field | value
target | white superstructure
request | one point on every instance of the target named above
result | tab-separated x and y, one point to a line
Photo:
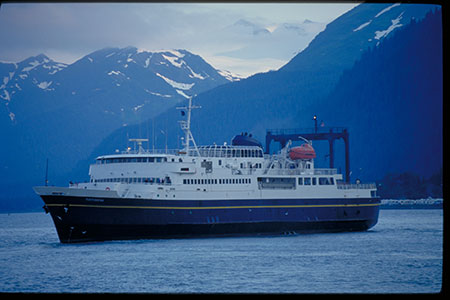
213	172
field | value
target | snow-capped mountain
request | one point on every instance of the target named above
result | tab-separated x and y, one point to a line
256	40
131	79
33	74
61	112
345	39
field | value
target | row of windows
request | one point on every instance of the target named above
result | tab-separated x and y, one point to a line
131	160
218	181
149	180
313	181
152	180
152	160
229	152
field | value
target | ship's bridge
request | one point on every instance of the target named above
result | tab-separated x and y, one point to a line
228	151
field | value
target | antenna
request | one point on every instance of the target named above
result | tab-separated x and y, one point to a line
46	173
186	127
148	138
153	135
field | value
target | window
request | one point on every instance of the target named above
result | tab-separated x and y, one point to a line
300	181
326	181
323	181
307	181
314	180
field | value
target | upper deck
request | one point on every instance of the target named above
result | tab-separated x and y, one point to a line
141	155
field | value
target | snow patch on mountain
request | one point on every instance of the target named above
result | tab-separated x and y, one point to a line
115	73
5	95
174	61
44	85
386	9
177	85
362	26
395	24
158	94
230	76
183	94
33	65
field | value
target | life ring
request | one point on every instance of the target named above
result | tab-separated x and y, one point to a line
107	188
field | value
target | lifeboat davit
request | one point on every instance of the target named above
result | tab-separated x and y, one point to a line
304	151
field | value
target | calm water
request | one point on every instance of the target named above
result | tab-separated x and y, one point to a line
401	254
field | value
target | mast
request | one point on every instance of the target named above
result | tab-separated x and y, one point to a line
46	173
186	127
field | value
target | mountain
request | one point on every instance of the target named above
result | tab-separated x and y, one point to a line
392	102
107	74
346	38
315	82
25	81
61	112
260	41
307	85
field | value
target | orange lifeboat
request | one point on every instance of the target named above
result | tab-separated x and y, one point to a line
304	151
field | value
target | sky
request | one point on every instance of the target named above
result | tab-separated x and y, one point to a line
222	33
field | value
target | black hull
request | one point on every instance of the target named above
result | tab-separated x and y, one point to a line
79	219
98	232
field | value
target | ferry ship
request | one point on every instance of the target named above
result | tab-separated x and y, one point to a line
205	191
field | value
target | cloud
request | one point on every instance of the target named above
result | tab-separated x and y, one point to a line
244	67
81	28
31	28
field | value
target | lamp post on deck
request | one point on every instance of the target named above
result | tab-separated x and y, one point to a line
315	123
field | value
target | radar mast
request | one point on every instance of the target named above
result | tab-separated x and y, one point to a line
186	127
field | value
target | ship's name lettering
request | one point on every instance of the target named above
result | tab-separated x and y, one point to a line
95	200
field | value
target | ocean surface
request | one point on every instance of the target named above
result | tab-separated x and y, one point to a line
403	253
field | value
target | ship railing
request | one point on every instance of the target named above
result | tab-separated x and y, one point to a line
285	171
301	171
152	151
348	186
320	129
325	171
206	151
